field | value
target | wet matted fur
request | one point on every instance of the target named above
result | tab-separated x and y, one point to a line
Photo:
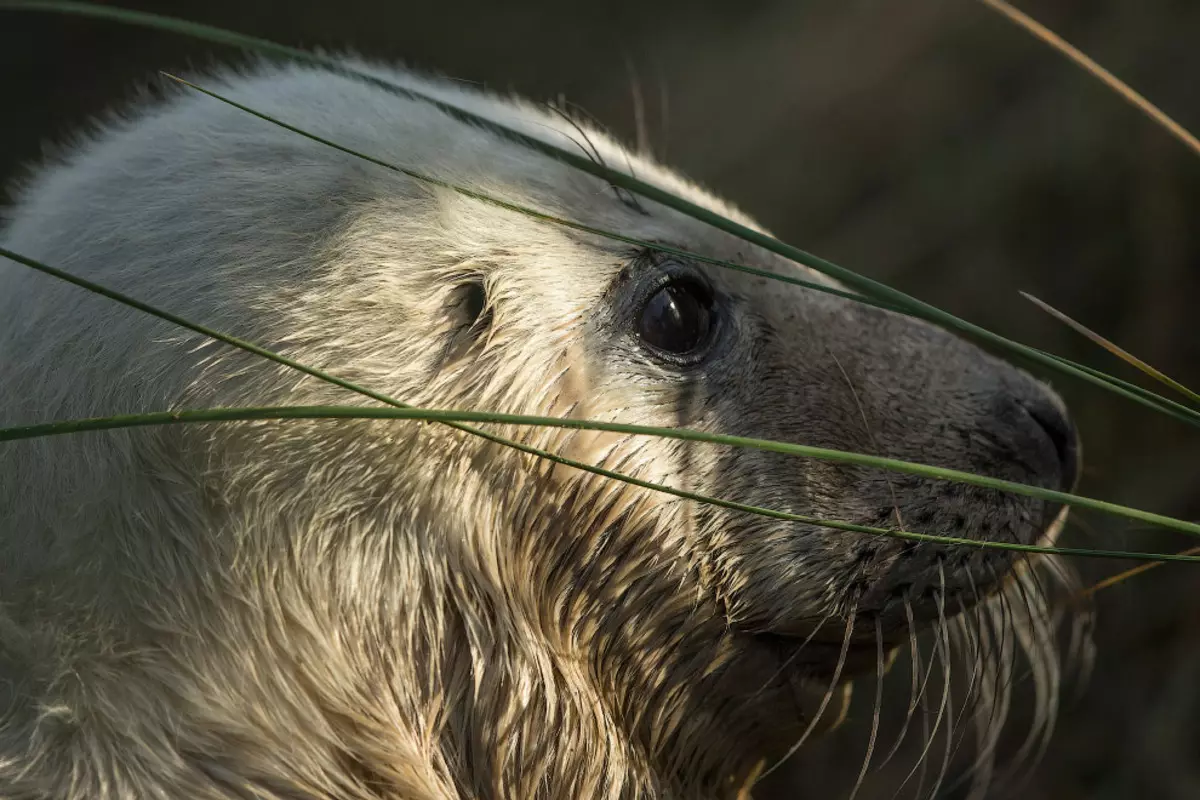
354	609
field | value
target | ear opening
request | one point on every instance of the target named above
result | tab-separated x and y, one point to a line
470	315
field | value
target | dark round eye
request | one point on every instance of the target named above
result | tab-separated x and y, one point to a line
678	319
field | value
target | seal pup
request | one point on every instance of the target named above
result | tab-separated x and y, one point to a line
367	609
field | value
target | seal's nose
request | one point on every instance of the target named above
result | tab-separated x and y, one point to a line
1055	423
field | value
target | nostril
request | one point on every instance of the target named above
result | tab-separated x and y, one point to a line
1062	434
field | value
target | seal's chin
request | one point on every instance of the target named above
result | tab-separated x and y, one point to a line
816	657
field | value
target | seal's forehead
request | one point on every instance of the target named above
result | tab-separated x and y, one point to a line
554	127
415	135
525	170
577	196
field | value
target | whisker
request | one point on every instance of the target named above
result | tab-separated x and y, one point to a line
969	647
984	712
929	735
792	658
641	131
979	612
1081	652
942	641
862	774
664	115
993	709
592	152
917	685
1037	640
829	693
991	613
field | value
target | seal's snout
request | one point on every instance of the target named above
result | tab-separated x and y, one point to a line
1048	413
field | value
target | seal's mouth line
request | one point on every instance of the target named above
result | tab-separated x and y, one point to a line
808	654
819	648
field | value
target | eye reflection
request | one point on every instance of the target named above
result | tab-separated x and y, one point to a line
678	319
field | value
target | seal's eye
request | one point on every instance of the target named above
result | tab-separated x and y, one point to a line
678	319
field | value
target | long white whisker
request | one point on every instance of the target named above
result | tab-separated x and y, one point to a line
929	735
1037	640
837	674
792	658
999	690
943	643
862	774
969	646
916	688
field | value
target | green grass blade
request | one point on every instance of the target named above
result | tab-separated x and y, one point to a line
1170	407
13	434
250	347
858	282
338	412
908	305
296	412
782	447
1112	347
529	211
681	434
1159	403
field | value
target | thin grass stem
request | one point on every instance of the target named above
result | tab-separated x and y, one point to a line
858	282
526	420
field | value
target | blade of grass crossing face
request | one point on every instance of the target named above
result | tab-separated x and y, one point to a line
1144	397
1180	411
905	303
357	413
227	415
164	418
534	213
681	434
1187	415
861	283
678	433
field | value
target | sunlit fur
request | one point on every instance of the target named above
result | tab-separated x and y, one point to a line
314	609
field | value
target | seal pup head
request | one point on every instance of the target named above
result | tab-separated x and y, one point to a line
434	612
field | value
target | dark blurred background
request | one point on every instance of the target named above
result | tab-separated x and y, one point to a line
929	143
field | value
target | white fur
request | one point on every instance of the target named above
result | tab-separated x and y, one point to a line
352	609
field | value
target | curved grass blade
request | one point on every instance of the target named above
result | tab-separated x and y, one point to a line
681	434
861	283
1082	60
529	211
12	434
217	35
357	413
1167	406
1087	594
423	414
1180	412
1113	348
678	433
